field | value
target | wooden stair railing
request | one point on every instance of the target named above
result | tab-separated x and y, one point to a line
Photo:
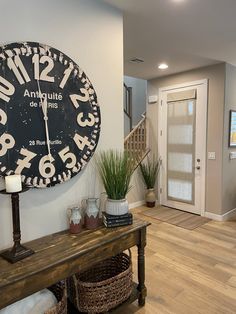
135	142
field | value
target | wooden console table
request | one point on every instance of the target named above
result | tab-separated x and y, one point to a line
62	254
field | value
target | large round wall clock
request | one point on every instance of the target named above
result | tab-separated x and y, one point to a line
49	115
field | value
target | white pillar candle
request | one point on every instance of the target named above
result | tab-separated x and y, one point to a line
13	183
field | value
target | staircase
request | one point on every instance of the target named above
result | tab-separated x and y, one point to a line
135	142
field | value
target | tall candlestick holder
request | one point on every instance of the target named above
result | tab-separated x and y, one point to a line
18	251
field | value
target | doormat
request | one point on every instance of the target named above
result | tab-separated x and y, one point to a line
176	217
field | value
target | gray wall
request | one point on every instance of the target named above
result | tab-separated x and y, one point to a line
215	121
139	93
229	166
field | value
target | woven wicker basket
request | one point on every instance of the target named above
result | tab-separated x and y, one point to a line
106	285
60	292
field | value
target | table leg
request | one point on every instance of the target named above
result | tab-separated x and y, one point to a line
141	267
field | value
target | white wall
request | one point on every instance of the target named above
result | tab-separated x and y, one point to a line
139	93
91	33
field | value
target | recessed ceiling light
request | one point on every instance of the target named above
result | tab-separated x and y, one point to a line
163	66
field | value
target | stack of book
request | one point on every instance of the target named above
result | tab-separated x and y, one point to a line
111	221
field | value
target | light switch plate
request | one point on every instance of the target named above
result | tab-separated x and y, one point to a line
152	99
212	155
232	155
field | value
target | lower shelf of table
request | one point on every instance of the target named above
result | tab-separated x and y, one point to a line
134	296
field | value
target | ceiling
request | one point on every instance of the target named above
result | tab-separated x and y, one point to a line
186	34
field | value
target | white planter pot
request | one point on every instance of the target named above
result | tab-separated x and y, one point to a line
117	207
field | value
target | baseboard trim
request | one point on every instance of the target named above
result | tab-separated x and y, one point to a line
227	216
136	204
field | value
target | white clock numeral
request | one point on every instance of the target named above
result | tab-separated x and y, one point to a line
66	155
46	168
6	89
3	117
43	76
6	142
24	163
76	98
85	122
14	65
81	141
67	73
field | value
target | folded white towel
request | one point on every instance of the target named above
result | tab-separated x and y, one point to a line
36	303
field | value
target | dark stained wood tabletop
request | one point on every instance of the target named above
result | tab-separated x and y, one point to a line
62	254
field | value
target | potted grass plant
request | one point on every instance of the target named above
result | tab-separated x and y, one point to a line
149	173
115	169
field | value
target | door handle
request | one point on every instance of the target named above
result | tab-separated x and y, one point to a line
198	167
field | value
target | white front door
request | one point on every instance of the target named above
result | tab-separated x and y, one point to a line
182	145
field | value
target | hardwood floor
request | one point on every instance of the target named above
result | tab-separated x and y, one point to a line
176	217
189	271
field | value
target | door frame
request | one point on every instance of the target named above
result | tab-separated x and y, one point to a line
204	84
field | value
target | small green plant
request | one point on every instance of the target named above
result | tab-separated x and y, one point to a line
149	171
115	169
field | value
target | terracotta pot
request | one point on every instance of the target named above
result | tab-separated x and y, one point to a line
150	198
117	207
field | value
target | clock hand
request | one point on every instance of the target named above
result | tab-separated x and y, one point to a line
44	106
45	110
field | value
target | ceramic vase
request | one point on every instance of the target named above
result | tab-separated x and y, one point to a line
92	213
75	219
150	198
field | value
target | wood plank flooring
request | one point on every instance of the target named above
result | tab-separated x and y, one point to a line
176	217
188	271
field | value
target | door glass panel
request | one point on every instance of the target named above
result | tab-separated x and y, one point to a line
190	107
181	116
180	162
180	190
180	134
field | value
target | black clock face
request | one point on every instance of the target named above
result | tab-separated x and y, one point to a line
49	115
